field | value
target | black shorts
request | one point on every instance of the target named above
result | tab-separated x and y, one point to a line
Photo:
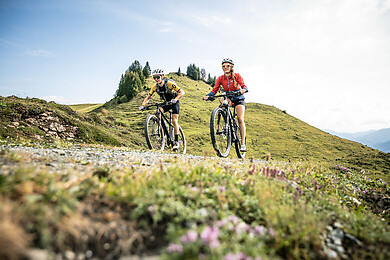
236	102
175	108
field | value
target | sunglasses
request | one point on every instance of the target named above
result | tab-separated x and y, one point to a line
156	77
226	66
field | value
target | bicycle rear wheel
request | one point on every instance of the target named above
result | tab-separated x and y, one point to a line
182	142
237	142
220	132
154	133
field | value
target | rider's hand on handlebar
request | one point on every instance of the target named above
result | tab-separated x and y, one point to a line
173	101
141	108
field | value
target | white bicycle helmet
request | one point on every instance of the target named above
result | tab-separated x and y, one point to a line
158	72
227	60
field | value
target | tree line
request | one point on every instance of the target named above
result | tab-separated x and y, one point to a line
133	80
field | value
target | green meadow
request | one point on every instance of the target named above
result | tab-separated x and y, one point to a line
301	193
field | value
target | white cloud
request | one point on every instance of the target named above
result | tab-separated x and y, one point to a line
325	62
39	53
57	99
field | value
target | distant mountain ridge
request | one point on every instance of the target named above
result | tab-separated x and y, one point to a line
378	139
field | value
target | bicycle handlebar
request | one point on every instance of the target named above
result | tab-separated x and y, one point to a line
158	104
229	94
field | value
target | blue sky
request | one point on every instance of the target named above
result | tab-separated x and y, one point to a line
326	62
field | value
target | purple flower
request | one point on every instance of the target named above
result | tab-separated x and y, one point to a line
152	209
174	248
241	227
210	235
260	230
272	232
214	244
192	188
230	256
190	237
238	256
221	188
222	222
234	219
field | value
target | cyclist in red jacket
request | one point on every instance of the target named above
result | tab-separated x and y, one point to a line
231	81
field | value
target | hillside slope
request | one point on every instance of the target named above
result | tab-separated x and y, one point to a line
270	131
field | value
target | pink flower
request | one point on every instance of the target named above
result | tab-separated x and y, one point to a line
260	230
222	222
221	188
210	235
272	232
230	256
152	209
241	227
234	219
238	256
190	237
214	244
174	248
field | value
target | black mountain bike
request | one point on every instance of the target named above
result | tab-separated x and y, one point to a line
224	127
159	130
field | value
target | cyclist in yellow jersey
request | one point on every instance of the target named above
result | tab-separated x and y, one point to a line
170	92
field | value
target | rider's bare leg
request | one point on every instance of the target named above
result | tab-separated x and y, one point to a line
240	109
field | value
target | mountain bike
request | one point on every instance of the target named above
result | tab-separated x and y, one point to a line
159	130
224	127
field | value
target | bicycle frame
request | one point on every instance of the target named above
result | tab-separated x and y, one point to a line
168	131
230	128
230	116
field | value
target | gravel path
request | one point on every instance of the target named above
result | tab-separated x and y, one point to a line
77	157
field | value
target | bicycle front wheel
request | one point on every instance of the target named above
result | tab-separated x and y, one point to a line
154	133
220	132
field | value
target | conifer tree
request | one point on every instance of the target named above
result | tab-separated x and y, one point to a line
146	71
193	72
131	83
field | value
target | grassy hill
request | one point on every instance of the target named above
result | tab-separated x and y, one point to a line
84	108
271	133
328	202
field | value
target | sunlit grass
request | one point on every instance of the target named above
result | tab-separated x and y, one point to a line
210	207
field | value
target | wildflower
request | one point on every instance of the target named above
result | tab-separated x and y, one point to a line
356	201
210	236
271	232
241	227
234	219
221	188
174	248
222	222
202	212
152	209
190	237
238	256
214	244
260	230
192	188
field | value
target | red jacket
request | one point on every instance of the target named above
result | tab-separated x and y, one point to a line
228	85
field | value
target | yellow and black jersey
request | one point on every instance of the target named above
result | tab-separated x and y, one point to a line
168	91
